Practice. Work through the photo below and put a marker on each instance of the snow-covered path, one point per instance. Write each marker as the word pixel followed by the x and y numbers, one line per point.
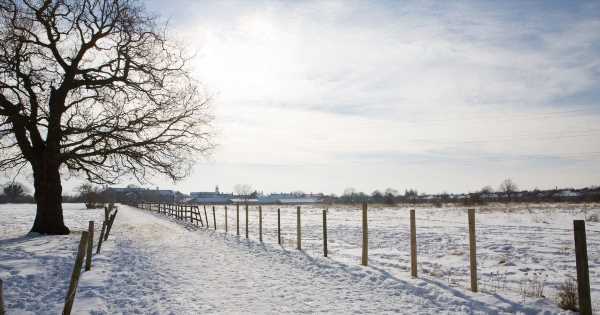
pixel 153 265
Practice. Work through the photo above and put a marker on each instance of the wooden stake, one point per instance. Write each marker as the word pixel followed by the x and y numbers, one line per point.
pixel 413 244
pixel 106 212
pixel 237 219
pixel 278 226
pixel 298 229
pixel 200 216
pixel 581 262
pixel 246 220
pixel 214 218
pixel 101 237
pixel 260 223
pixel 109 224
pixel 365 236
pixel 472 250
pixel 206 216
pixel 90 247
pixel 325 233
pixel 225 219
pixel 76 273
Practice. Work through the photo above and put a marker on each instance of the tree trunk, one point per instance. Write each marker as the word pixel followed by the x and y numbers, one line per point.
pixel 48 197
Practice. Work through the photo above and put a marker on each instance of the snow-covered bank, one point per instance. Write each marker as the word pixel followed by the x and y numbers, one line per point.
pixel 152 264
pixel 36 269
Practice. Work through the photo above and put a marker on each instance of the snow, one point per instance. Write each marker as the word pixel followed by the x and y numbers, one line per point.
pixel 152 264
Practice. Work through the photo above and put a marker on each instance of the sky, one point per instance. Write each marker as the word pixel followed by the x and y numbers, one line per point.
pixel 319 96
pixel 325 95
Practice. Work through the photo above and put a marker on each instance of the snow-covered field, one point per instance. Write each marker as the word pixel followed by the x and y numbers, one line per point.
pixel 154 265
pixel 519 247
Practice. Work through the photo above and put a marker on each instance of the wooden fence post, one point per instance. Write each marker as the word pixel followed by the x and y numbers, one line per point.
pixel 246 220
pixel 225 218
pixel 325 233
pixel 365 236
pixel 109 225
pixel 106 213
pixel 90 247
pixel 260 223
pixel 413 244
pixel 206 216
pixel 101 237
pixel 583 276
pixel 2 310
pixel 472 250
pixel 278 226
pixel 76 272
pixel 298 229
pixel 214 218
pixel 237 218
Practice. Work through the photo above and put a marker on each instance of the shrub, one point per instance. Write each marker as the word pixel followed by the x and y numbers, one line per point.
pixel 567 295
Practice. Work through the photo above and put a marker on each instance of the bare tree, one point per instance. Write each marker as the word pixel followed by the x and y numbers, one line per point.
pixel 508 187
pixel 349 194
pixel 244 191
pixel 487 190
pixel 93 87
pixel 390 195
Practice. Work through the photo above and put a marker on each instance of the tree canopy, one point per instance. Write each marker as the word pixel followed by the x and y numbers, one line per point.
pixel 95 88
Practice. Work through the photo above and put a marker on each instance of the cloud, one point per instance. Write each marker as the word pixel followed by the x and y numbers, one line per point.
pixel 305 85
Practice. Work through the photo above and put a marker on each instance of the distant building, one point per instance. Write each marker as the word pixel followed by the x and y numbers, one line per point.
pixel 135 194
pixel 210 197
pixel 217 197
pixel 290 198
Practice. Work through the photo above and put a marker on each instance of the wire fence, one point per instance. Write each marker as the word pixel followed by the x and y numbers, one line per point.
pixel 527 259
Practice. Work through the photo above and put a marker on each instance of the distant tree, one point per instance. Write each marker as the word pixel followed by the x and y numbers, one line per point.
pixel 349 191
pixel 360 197
pixel 243 191
pixel 411 195
pixel 444 197
pixel 349 195
pixel 487 190
pixel 377 197
pixel 14 192
pixel 179 197
pixel 390 195
pixel 508 187
pixel 91 195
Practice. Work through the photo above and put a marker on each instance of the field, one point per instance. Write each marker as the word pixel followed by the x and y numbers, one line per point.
pixel 154 265
pixel 524 251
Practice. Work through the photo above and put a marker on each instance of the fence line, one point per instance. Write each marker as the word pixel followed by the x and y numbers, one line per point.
pixel 194 213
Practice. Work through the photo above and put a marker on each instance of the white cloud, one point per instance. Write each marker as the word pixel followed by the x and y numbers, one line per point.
pixel 303 84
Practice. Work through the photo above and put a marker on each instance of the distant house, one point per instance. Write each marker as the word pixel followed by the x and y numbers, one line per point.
pixel 290 198
pixel 217 197
pixel 211 197
pixel 134 194
pixel 568 194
